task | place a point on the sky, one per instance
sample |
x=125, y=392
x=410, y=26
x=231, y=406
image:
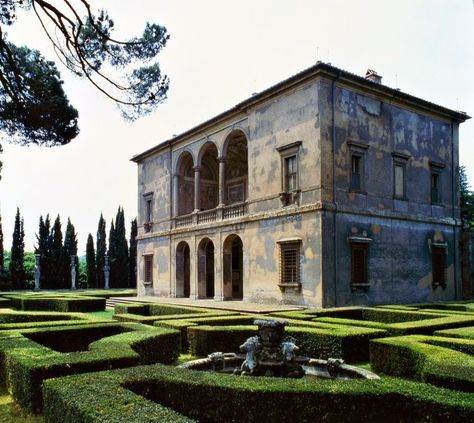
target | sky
x=219, y=53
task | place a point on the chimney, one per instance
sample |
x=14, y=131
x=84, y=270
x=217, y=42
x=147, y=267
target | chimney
x=371, y=75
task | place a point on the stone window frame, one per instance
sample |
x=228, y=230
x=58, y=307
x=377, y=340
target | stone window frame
x=359, y=244
x=439, y=253
x=288, y=151
x=148, y=269
x=357, y=150
x=436, y=170
x=290, y=246
x=400, y=160
x=148, y=217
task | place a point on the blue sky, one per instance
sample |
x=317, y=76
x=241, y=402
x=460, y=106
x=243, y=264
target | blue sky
x=220, y=52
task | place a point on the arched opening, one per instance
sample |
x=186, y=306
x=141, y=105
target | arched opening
x=183, y=285
x=209, y=178
x=236, y=168
x=233, y=268
x=206, y=269
x=185, y=184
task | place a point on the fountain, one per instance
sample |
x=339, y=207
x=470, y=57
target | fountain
x=271, y=354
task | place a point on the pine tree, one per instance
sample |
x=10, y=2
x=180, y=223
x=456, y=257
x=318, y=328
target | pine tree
x=2, y=258
x=90, y=263
x=44, y=250
x=56, y=274
x=121, y=251
x=17, y=270
x=100, y=251
x=132, y=255
x=69, y=249
x=112, y=255
x=466, y=199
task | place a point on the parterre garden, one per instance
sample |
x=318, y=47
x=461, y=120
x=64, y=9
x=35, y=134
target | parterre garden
x=62, y=360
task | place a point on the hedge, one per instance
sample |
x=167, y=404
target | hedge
x=467, y=332
x=30, y=356
x=345, y=312
x=141, y=394
x=447, y=362
x=351, y=344
x=150, y=320
x=63, y=303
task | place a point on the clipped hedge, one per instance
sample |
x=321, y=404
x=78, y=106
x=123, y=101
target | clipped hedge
x=150, y=320
x=143, y=394
x=447, y=362
x=61, y=303
x=351, y=344
x=29, y=357
x=467, y=332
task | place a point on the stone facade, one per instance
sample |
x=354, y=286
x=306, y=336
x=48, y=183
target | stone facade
x=327, y=189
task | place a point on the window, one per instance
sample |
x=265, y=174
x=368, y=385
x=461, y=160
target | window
x=148, y=269
x=436, y=171
x=290, y=184
x=355, y=173
x=438, y=256
x=290, y=276
x=399, y=175
x=359, y=246
x=356, y=156
x=148, y=217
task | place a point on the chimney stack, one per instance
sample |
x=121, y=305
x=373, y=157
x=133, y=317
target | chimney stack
x=371, y=75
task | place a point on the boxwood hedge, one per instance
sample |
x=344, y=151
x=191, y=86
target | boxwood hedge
x=447, y=362
x=142, y=394
x=61, y=303
x=467, y=332
x=28, y=357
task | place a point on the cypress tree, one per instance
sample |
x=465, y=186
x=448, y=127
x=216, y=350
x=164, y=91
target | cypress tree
x=121, y=251
x=90, y=263
x=112, y=255
x=132, y=255
x=56, y=274
x=17, y=270
x=100, y=251
x=2, y=255
x=44, y=249
x=70, y=249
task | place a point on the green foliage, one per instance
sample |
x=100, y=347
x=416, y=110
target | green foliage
x=70, y=249
x=43, y=238
x=63, y=303
x=33, y=105
x=441, y=361
x=211, y=397
x=2, y=259
x=32, y=356
x=118, y=252
x=56, y=263
x=466, y=199
x=100, y=251
x=467, y=332
x=90, y=263
x=16, y=267
x=132, y=255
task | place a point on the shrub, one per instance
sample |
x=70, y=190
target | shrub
x=63, y=303
x=140, y=394
x=432, y=359
x=467, y=332
x=31, y=356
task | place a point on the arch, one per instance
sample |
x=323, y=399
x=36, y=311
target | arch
x=206, y=272
x=185, y=176
x=183, y=270
x=209, y=176
x=236, y=168
x=233, y=264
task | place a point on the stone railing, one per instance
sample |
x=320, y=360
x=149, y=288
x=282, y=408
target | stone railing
x=208, y=216
x=234, y=210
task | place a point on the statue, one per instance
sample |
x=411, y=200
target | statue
x=73, y=272
x=37, y=271
x=106, y=271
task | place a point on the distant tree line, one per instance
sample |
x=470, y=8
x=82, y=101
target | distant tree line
x=57, y=252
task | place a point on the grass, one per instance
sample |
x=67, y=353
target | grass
x=105, y=314
x=9, y=413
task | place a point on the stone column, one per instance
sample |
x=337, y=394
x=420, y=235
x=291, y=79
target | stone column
x=175, y=194
x=197, y=188
x=73, y=272
x=37, y=271
x=221, y=181
x=106, y=272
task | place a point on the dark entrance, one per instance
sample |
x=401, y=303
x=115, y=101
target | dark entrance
x=233, y=268
x=182, y=270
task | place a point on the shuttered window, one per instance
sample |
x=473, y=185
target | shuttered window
x=359, y=264
x=438, y=255
x=148, y=271
x=290, y=263
x=356, y=172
